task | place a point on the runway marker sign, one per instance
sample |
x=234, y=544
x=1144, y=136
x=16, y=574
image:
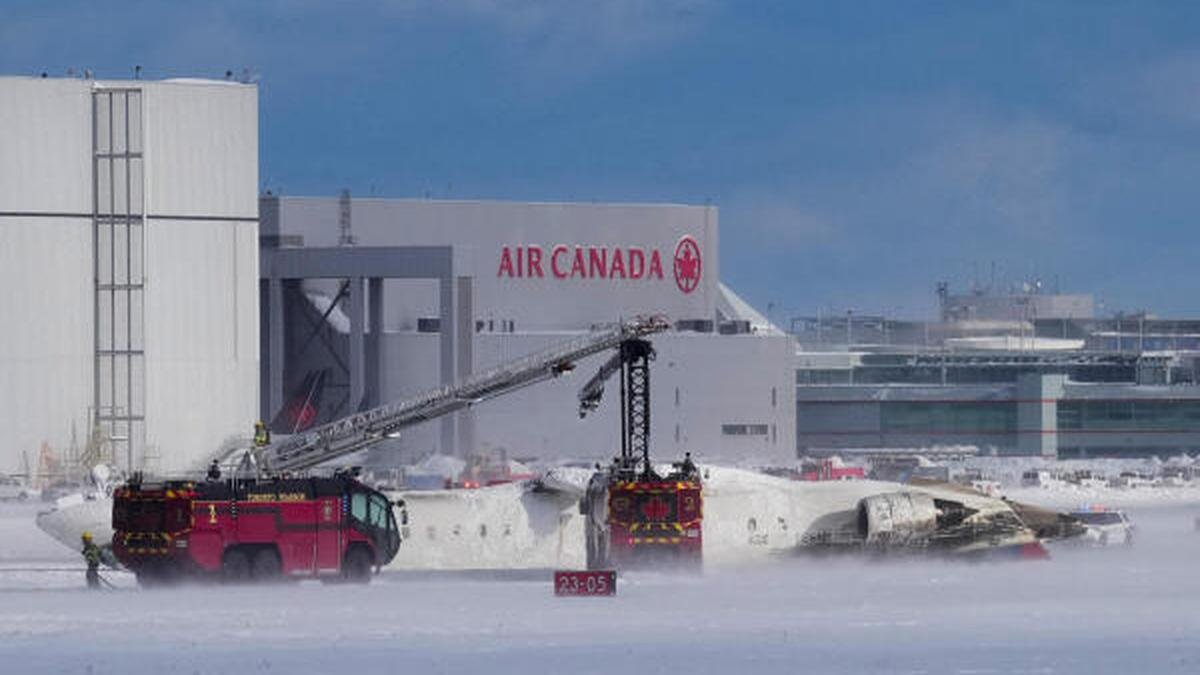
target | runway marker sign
x=591, y=582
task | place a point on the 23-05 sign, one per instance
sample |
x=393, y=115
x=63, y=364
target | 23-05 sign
x=592, y=582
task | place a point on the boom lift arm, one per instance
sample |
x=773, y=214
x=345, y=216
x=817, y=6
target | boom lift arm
x=362, y=430
x=633, y=359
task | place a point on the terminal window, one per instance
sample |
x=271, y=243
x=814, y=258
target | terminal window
x=744, y=429
x=961, y=417
x=1180, y=415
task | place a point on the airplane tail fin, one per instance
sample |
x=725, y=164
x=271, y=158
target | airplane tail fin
x=299, y=413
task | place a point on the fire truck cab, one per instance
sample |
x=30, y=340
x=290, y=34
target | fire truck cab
x=258, y=529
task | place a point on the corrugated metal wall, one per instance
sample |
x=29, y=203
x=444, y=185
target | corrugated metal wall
x=45, y=265
x=201, y=266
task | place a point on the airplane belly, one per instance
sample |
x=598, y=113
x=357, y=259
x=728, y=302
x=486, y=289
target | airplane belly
x=506, y=526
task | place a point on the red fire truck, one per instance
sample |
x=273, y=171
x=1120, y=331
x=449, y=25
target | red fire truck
x=649, y=523
x=827, y=469
x=635, y=516
x=238, y=530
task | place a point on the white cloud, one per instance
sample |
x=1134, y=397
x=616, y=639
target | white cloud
x=776, y=218
x=1005, y=177
x=548, y=42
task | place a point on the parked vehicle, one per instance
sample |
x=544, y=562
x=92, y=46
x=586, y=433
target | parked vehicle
x=1105, y=527
x=1041, y=478
x=988, y=487
x=1087, y=479
x=254, y=529
x=12, y=488
x=59, y=489
x=1130, y=480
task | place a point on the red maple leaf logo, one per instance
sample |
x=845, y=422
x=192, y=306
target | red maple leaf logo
x=655, y=509
x=687, y=264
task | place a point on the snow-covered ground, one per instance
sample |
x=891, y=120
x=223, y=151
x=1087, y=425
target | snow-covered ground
x=1085, y=611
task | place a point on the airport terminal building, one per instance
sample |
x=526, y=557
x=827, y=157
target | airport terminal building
x=1023, y=373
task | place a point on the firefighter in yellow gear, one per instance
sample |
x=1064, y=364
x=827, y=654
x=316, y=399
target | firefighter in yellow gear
x=91, y=554
x=262, y=436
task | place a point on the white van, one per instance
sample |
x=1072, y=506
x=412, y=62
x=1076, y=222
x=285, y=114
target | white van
x=1105, y=527
x=13, y=489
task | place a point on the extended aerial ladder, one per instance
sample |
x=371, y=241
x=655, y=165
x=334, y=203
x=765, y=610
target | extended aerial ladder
x=362, y=430
x=633, y=360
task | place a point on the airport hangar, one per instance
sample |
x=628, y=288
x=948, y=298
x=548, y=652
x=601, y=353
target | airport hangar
x=128, y=254
x=129, y=230
x=487, y=282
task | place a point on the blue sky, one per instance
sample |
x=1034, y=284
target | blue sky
x=858, y=152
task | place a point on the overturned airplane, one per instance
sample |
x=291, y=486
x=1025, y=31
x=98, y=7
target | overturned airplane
x=748, y=517
x=543, y=522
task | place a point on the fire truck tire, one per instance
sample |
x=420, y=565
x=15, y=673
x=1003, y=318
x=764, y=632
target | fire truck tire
x=357, y=566
x=267, y=566
x=152, y=576
x=235, y=566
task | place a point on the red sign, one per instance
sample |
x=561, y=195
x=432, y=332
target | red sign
x=687, y=264
x=591, y=582
x=655, y=509
x=532, y=261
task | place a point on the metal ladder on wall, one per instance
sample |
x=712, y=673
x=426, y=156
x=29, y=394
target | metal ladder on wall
x=118, y=242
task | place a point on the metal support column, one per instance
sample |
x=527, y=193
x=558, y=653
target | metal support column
x=465, y=357
x=446, y=349
x=273, y=308
x=354, y=306
x=374, y=364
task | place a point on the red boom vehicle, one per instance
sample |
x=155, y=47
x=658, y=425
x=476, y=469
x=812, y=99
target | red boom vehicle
x=253, y=529
x=649, y=523
x=635, y=516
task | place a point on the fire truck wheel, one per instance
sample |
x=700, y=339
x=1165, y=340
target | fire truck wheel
x=357, y=568
x=266, y=565
x=150, y=577
x=236, y=566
